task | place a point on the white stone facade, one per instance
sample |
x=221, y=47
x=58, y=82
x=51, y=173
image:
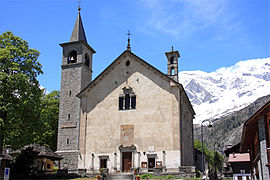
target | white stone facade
x=156, y=121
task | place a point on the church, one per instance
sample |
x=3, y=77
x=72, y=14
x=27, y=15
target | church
x=130, y=116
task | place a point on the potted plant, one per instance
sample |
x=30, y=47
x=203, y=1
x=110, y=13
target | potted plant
x=98, y=176
x=101, y=170
x=138, y=177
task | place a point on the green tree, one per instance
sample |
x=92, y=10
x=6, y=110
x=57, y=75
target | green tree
x=23, y=166
x=19, y=91
x=49, y=118
x=214, y=159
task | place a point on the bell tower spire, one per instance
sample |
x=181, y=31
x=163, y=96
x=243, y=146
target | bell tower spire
x=78, y=33
x=172, y=64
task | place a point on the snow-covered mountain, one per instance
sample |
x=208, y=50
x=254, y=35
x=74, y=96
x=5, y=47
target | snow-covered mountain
x=227, y=89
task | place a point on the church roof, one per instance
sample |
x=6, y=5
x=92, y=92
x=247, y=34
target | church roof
x=129, y=53
x=78, y=33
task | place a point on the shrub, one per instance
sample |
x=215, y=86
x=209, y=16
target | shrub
x=169, y=177
x=144, y=176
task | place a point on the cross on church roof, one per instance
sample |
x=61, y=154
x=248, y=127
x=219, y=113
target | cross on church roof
x=129, y=34
x=79, y=6
x=128, y=45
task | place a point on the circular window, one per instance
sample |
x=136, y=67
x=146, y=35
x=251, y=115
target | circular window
x=127, y=63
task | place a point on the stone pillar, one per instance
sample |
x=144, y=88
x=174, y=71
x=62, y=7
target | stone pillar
x=164, y=159
x=115, y=161
x=139, y=159
x=263, y=149
x=92, y=163
x=133, y=160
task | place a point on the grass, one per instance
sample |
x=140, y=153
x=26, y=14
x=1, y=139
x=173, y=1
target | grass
x=152, y=177
x=84, y=179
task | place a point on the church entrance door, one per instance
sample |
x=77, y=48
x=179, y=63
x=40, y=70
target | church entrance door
x=126, y=161
x=151, y=164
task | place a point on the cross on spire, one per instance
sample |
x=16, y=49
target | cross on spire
x=78, y=33
x=129, y=34
x=128, y=45
x=79, y=6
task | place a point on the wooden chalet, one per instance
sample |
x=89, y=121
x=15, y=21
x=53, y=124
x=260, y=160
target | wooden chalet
x=256, y=141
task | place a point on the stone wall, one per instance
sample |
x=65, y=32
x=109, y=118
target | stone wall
x=70, y=161
x=263, y=149
x=187, y=138
x=74, y=77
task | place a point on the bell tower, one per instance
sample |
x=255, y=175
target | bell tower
x=172, y=64
x=76, y=74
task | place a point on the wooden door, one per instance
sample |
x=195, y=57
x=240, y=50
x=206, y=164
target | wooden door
x=103, y=163
x=151, y=164
x=126, y=161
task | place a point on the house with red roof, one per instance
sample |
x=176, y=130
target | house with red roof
x=240, y=164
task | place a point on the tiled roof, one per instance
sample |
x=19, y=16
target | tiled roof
x=238, y=157
x=44, y=151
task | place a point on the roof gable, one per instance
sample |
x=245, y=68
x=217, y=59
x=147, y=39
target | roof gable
x=117, y=61
x=148, y=66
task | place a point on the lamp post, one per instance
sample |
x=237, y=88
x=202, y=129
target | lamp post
x=210, y=125
x=215, y=158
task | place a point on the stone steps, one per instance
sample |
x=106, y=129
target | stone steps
x=120, y=177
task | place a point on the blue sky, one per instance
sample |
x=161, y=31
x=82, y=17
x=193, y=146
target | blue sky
x=209, y=34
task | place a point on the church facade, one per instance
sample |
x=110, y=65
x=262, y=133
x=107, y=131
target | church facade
x=130, y=116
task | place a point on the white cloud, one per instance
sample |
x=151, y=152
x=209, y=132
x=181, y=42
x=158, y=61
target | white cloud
x=183, y=17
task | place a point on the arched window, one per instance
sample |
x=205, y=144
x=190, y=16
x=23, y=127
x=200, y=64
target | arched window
x=72, y=57
x=87, y=61
x=172, y=71
x=171, y=60
x=127, y=100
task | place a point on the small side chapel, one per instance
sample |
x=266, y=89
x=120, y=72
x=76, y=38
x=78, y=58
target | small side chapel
x=130, y=116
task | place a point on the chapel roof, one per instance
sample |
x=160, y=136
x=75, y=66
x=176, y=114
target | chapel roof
x=44, y=151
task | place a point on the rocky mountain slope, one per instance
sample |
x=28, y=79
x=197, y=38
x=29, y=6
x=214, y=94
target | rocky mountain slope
x=228, y=129
x=228, y=89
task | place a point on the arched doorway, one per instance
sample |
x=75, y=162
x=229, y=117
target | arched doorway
x=126, y=157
